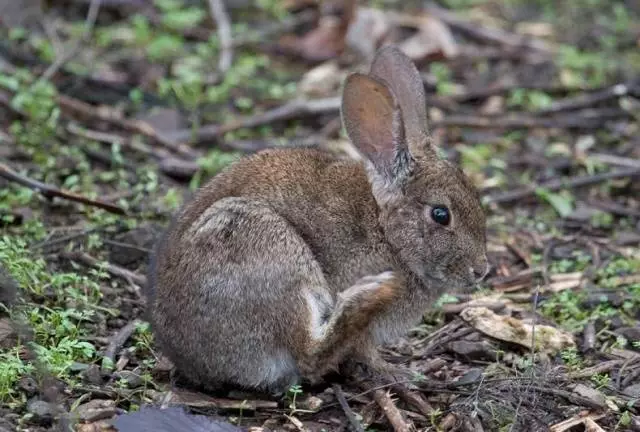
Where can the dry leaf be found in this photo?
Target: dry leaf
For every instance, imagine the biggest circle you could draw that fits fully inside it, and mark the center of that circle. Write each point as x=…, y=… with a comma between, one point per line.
x=574, y=421
x=367, y=31
x=433, y=39
x=322, y=80
x=327, y=40
x=547, y=339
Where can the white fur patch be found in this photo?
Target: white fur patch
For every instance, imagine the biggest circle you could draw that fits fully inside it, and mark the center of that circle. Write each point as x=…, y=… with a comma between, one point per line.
x=318, y=311
x=276, y=367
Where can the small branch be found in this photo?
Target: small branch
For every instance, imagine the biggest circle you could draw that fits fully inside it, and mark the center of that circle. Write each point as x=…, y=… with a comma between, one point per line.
x=590, y=99
x=392, y=412
x=49, y=191
x=614, y=160
x=77, y=108
x=484, y=34
x=290, y=110
x=119, y=339
x=356, y=426
x=557, y=184
x=112, y=269
x=587, y=119
x=220, y=16
x=92, y=16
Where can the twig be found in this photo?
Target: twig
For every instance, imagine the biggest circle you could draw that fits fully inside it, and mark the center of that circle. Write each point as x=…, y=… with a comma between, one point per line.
x=600, y=368
x=501, y=37
x=220, y=16
x=591, y=99
x=77, y=108
x=356, y=426
x=293, y=109
x=112, y=269
x=392, y=412
x=414, y=399
x=502, y=87
x=119, y=340
x=587, y=119
x=49, y=191
x=557, y=184
x=614, y=160
x=92, y=15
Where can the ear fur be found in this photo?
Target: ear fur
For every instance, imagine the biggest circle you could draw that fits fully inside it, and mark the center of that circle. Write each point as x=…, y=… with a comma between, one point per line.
x=393, y=67
x=374, y=123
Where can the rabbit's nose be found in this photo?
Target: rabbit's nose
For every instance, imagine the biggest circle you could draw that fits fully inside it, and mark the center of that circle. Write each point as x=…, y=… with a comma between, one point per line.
x=480, y=271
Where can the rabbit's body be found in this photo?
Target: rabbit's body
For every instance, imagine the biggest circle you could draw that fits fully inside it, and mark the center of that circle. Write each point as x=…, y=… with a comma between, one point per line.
x=291, y=261
x=282, y=228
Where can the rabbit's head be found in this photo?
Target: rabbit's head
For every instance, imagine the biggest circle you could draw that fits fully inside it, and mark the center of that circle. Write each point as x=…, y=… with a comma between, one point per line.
x=429, y=210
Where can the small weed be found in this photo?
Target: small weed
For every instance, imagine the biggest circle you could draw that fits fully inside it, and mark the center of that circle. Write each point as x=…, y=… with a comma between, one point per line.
x=292, y=393
x=210, y=165
x=601, y=380
x=530, y=100
x=444, y=84
x=572, y=359
x=12, y=368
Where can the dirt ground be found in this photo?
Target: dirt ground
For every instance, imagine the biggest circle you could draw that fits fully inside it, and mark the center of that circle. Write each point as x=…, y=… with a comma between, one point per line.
x=112, y=113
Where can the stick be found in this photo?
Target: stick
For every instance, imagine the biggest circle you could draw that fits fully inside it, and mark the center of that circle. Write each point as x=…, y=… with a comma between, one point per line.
x=614, y=160
x=49, y=191
x=501, y=37
x=92, y=15
x=356, y=426
x=119, y=340
x=591, y=99
x=589, y=119
x=77, y=108
x=557, y=184
x=112, y=269
x=292, y=109
x=392, y=412
x=220, y=16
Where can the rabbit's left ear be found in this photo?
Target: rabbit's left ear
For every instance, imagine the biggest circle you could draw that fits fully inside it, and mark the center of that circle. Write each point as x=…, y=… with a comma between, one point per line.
x=374, y=124
x=397, y=70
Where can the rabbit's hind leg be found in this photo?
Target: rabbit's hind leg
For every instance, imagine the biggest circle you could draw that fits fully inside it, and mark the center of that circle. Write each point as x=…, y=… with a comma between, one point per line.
x=348, y=323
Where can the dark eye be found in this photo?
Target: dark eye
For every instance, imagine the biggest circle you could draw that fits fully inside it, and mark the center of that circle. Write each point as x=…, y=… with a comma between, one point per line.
x=441, y=215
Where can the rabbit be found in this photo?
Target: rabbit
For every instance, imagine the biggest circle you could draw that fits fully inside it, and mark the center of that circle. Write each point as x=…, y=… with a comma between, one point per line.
x=291, y=264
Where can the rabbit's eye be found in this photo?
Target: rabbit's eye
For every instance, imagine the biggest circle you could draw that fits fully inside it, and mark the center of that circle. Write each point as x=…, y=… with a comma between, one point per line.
x=441, y=215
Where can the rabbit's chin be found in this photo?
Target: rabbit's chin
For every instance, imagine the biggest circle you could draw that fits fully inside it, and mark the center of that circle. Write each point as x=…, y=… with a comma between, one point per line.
x=449, y=283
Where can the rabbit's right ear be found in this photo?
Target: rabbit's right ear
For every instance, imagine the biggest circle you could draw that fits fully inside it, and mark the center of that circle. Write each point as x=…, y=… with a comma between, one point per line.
x=373, y=121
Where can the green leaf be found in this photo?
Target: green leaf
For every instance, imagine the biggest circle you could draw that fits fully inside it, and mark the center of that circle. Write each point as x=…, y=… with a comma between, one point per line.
x=562, y=204
x=183, y=19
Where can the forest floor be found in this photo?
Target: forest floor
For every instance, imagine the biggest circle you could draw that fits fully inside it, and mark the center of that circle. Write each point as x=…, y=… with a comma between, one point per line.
x=113, y=112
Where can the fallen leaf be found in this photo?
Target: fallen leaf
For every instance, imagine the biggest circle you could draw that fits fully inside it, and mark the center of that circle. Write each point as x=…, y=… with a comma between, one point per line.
x=367, y=31
x=547, y=339
x=322, y=80
x=96, y=409
x=432, y=40
x=327, y=40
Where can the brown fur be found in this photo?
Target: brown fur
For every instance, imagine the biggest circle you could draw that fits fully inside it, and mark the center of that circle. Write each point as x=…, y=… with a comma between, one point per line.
x=291, y=261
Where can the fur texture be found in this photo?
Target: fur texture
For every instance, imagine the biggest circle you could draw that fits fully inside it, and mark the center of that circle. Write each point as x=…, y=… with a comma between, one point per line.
x=291, y=261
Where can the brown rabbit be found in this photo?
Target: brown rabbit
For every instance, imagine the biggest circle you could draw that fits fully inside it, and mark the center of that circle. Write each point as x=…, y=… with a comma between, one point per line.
x=291, y=261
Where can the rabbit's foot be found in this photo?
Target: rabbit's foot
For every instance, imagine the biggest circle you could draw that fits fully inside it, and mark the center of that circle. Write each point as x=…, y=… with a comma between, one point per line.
x=381, y=372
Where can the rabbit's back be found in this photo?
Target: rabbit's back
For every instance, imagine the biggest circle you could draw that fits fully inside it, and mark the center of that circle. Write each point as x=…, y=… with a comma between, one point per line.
x=327, y=201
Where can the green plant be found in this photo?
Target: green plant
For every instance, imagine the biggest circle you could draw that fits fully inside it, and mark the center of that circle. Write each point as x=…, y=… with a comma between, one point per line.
x=211, y=164
x=572, y=358
x=292, y=393
x=12, y=368
x=601, y=380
